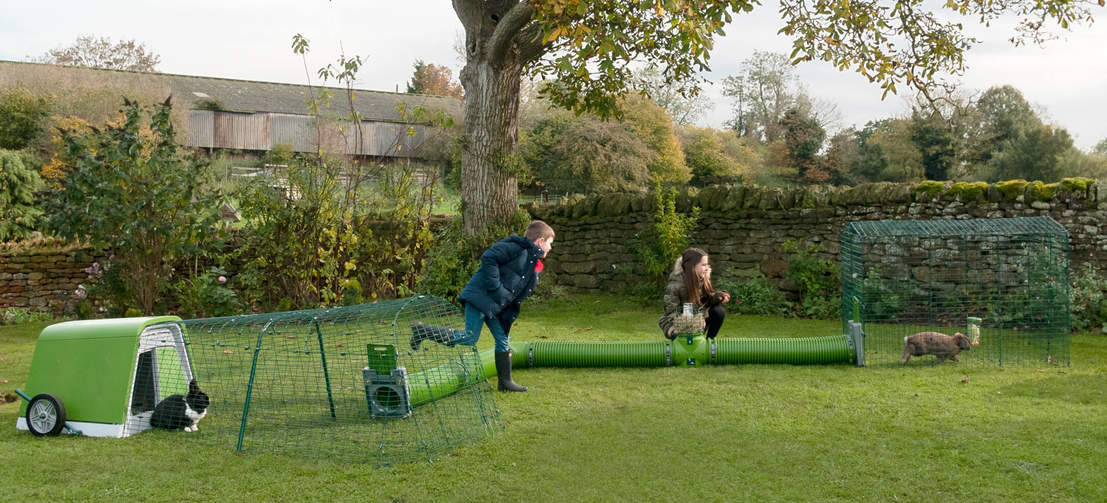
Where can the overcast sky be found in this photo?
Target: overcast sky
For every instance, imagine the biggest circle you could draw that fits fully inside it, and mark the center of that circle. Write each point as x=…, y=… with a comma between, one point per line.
x=250, y=39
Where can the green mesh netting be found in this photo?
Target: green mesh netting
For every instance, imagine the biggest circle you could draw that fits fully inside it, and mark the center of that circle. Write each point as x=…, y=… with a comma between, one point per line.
x=1007, y=276
x=342, y=383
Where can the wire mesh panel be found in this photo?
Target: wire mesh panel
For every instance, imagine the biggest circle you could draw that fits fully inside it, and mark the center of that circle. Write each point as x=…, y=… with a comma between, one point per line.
x=1003, y=283
x=341, y=383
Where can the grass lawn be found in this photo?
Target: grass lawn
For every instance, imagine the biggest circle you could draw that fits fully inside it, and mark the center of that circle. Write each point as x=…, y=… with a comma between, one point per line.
x=734, y=433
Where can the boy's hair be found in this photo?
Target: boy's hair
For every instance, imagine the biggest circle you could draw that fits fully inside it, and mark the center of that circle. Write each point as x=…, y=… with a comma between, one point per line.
x=539, y=229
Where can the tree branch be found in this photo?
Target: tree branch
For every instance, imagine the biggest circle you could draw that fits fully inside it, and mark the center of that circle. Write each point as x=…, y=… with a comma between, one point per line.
x=506, y=30
x=529, y=41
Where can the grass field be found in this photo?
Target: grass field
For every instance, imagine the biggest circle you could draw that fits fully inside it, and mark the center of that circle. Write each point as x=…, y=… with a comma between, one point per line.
x=737, y=433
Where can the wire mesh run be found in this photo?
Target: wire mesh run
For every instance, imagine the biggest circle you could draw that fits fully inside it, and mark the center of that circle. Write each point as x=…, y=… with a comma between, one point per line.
x=1003, y=283
x=342, y=383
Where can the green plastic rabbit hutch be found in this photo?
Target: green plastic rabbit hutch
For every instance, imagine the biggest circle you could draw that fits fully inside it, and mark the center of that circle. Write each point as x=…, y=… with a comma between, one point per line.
x=1003, y=282
x=103, y=378
x=342, y=384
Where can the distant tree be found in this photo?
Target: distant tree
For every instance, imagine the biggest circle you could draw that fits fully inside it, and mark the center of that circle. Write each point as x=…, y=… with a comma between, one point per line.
x=681, y=99
x=1101, y=147
x=763, y=92
x=654, y=127
x=705, y=157
x=22, y=118
x=934, y=138
x=1007, y=139
x=999, y=116
x=565, y=152
x=1036, y=154
x=903, y=158
x=100, y=52
x=804, y=138
x=870, y=162
x=434, y=80
x=841, y=153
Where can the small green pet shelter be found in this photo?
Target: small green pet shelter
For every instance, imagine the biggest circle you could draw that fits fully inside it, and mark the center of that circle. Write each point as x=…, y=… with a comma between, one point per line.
x=103, y=378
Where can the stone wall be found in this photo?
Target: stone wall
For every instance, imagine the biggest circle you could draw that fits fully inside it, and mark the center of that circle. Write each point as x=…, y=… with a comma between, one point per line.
x=743, y=228
x=44, y=277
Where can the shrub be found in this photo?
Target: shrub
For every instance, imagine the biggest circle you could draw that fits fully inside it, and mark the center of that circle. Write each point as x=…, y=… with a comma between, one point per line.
x=758, y=295
x=22, y=118
x=20, y=315
x=206, y=294
x=128, y=189
x=1088, y=302
x=18, y=183
x=817, y=280
x=666, y=239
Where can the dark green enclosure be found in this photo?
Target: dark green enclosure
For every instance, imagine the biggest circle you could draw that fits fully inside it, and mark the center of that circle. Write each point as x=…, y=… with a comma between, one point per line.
x=1004, y=282
x=341, y=384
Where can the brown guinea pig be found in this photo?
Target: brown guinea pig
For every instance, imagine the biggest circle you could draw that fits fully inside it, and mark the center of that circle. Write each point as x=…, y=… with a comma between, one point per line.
x=940, y=345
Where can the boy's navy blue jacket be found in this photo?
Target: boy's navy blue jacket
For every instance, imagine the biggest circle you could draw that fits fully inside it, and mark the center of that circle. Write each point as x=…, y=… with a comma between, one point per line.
x=506, y=277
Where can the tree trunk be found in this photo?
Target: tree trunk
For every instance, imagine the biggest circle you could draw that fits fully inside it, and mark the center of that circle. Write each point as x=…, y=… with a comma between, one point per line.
x=489, y=189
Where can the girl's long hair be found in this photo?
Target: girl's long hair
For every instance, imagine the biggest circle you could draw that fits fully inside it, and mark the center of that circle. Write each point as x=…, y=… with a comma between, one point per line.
x=697, y=288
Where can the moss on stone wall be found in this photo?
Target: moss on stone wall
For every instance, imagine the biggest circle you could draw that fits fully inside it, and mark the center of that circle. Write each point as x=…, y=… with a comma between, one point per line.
x=969, y=191
x=1011, y=189
x=1038, y=191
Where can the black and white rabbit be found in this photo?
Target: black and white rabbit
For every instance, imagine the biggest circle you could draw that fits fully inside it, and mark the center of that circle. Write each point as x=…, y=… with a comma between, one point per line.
x=181, y=411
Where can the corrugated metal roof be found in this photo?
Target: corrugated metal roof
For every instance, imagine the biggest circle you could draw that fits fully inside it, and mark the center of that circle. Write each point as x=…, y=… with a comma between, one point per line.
x=254, y=96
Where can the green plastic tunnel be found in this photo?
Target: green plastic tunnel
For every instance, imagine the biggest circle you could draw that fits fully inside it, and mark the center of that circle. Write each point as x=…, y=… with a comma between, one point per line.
x=444, y=380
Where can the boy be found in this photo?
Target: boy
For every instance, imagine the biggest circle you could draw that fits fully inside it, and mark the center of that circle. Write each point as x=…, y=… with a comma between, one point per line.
x=507, y=275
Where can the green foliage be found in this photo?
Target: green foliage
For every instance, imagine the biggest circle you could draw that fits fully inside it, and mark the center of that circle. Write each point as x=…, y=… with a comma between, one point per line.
x=804, y=137
x=757, y=295
x=591, y=55
x=667, y=238
x=20, y=315
x=22, y=117
x=205, y=295
x=936, y=143
x=817, y=280
x=128, y=189
x=1088, y=299
x=654, y=127
x=18, y=183
x=705, y=157
x=351, y=292
x=566, y=153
